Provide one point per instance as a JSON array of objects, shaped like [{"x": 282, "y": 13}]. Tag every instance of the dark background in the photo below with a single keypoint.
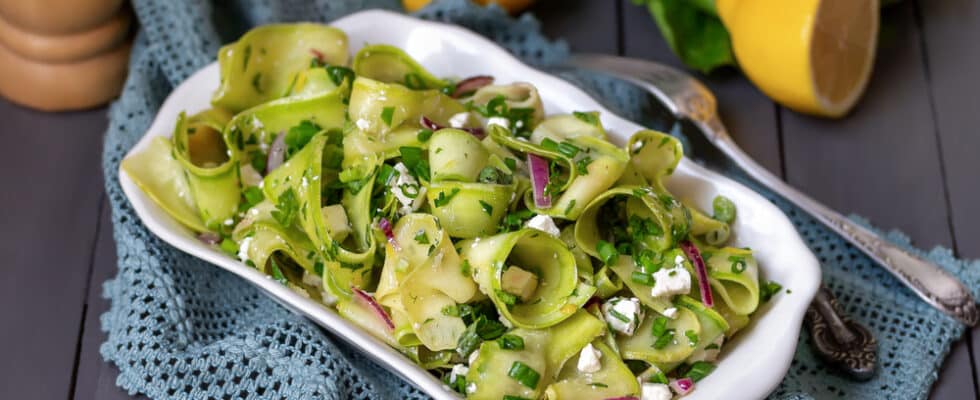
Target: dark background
[{"x": 906, "y": 159}]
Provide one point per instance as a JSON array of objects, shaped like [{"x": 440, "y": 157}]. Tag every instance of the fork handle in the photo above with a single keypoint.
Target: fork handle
[{"x": 933, "y": 284}]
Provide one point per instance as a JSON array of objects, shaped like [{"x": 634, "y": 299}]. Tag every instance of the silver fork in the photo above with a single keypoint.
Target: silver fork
[{"x": 686, "y": 98}]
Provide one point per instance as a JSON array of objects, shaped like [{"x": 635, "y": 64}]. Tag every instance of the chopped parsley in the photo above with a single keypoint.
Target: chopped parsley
[
  {"x": 413, "y": 160},
  {"x": 421, "y": 237},
  {"x": 298, "y": 136},
  {"x": 591, "y": 118},
  {"x": 253, "y": 195},
  {"x": 724, "y": 209},
  {"x": 444, "y": 198},
  {"x": 339, "y": 74},
  {"x": 692, "y": 337},
  {"x": 386, "y": 114},
  {"x": 286, "y": 208},
  {"x": 699, "y": 370},
  {"x": 511, "y": 342},
  {"x": 524, "y": 374},
  {"x": 487, "y": 208},
  {"x": 424, "y": 135},
  {"x": 768, "y": 290}
]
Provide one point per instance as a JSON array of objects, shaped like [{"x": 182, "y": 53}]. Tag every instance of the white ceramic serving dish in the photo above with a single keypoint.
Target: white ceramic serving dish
[{"x": 750, "y": 367}]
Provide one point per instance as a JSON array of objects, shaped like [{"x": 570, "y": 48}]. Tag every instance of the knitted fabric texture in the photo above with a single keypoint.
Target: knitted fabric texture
[{"x": 181, "y": 328}]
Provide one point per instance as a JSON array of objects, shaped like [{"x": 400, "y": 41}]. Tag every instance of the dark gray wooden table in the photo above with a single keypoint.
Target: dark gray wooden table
[{"x": 907, "y": 159}]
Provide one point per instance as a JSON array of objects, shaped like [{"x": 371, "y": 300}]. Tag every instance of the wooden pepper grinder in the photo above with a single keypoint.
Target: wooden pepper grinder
[{"x": 58, "y": 55}]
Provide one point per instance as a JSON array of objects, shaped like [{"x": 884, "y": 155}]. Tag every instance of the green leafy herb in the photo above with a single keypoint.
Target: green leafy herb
[
  {"x": 515, "y": 220},
  {"x": 663, "y": 340},
  {"x": 738, "y": 264},
  {"x": 276, "y": 272},
  {"x": 699, "y": 370},
  {"x": 659, "y": 326},
  {"x": 413, "y": 159},
  {"x": 692, "y": 337},
  {"x": 659, "y": 377},
  {"x": 568, "y": 149},
  {"x": 693, "y": 31},
  {"x": 386, "y": 114},
  {"x": 424, "y": 135},
  {"x": 228, "y": 246},
  {"x": 642, "y": 278},
  {"x": 253, "y": 195},
  {"x": 286, "y": 208},
  {"x": 591, "y": 118},
  {"x": 506, "y": 298},
  {"x": 385, "y": 175},
  {"x": 451, "y": 311},
  {"x": 582, "y": 165},
  {"x": 421, "y": 237},
  {"x": 768, "y": 290},
  {"x": 487, "y": 208},
  {"x": 298, "y": 136},
  {"x": 649, "y": 260},
  {"x": 724, "y": 209},
  {"x": 444, "y": 199},
  {"x": 549, "y": 144},
  {"x": 607, "y": 252},
  {"x": 511, "y": 342},
  {"x": 510, "y": 163},
  {"x": 524, "y": 374},
  {"x": 339, "y": 74}
]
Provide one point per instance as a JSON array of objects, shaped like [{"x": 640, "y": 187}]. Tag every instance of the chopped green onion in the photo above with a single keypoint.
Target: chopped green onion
[
  {"x": 524, "y": 374},
  {"x": 607, "y": 252},
  {"x": 506, "y": 298},
  {"x": 421, "y": 237},
  {"x": 451, "y": 311},
  {"x": 487, "y": 208},
  {"x": 692, "y": 337},
  {"x": 424, "y": 135},
  {"x": 664, "y": 340},
  {"x": 591, "y": 118},
  {"x": 568, "y": 149},
  {"x": 659, "y": 377},
  {"x": 642, "y": 278},
  {"x": 228, "y": 246},
  {"x": 386, "y": 114},
  {"x": 444, "y": 199},
  {"x": 659, "y": 326},
  {"x": 511, "y": 342},
  {"x": 738, "y": 264},
  {"x": 699, "y": 370},
  {"x": 549, "y": 144},
  {"x": 582, "y": 165},
  {"x": 618, "y": 315},
  {"x": 724, "y": 209},
  {"x": 768, "y": 290}
]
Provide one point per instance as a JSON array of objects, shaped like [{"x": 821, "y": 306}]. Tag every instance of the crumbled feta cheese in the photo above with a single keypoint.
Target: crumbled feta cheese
[
  {"x": 671, "y": 312},
  {"x": 471, "y": 388},
  {"x": 312, "y": 279},
  {"x": 671, "y": 281},
  {"x": 243, "y": 249},
  {"x": 588, "y": 359},
  {"x": 656, "y": 391},
  {"x": 545, "y": 224},
  {"x": 399, "y": 187},
  {"x": 459, "y": 120},
  {"x": 503, "y": 122},
  {"x": 457, "y": 371},
  {"x": 473, "y": 356},
  {"x": 229, "y": 222},
  {"x": 256, "y": 124},
  {"x": 622, "y": 314},
  {"x": 679, "y": 261},
  {"x": 328, "y": 298},
  {"x": 362, "y": 124}
]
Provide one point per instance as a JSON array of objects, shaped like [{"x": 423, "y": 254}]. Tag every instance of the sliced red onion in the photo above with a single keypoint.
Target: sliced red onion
[
  {"x": 431, "y": 125},
  {"x": 695, "y": 255},
  {"x": 385, "y": 227},
  {"x": 470, "y": 85},
  {"x": 209, "y": 238},
  {"x": 539, "y": 179},
  {"x": 682, "y": 386},
  {"x": 277, "y": 153},
  {"x": 370, "y": 302},
  {"x": 318, "y": 54}
]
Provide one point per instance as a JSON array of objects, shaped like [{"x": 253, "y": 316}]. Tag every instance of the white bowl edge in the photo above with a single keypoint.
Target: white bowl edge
[{"x": 763, "y": 352}]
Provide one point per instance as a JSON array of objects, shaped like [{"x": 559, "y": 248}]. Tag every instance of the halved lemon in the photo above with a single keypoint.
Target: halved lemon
[
  {"x": 512, "y": 6},
  {"x": 814, "y": 56}
]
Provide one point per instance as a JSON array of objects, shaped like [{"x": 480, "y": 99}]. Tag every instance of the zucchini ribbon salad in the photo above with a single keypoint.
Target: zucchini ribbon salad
[{"x": 514, "y": 254}]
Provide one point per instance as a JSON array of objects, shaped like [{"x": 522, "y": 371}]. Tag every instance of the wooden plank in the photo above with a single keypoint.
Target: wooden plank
[
  {"x": 96, "y": 378},
  {"x": 749, "y": 116},
  {"x": 950, "y": 29},
  {"x": 587, "y": 26},
  {"x": 883, "y": 161},
  {"x": 50, "y": 169}
]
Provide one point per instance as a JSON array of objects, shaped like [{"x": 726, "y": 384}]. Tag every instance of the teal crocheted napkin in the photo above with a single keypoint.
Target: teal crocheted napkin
[{"x": 180, "y": 328}]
